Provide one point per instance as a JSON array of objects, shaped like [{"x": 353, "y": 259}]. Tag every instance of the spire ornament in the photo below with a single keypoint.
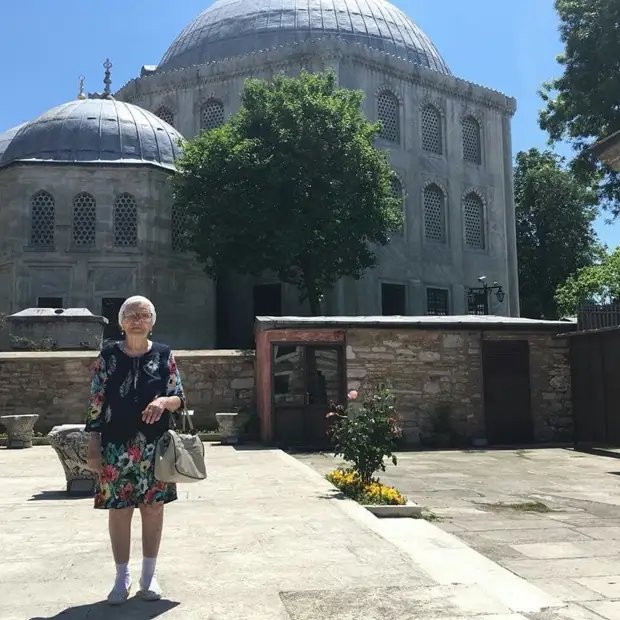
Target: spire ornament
[
  {"x": 81, "y": 96},
  {"x": 107, "y": 65}
]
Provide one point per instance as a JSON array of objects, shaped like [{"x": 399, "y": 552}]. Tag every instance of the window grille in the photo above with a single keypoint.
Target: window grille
[
  {"x": 42, "y": 219},
  {"x": 84, "y": 220},
  {"x": 473, "y": 217},
  {"x": 211, "y": 115},
  {"x": 125, "y": 221},
  {"x": 388, "y": 114},
  {"x": 431, "y": 130},
  {"x": 471, "y": 140},
  {"x": 434, "y": 214},
  {"x": 177, "y": 230},
  {"x": 166, "y": 115},
  {"x": 437, "y": 302}
]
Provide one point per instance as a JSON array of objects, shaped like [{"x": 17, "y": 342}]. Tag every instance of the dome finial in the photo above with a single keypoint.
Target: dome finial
[
  {"x": 81, "y": 96},
  {"x": 107, "y": 65}
]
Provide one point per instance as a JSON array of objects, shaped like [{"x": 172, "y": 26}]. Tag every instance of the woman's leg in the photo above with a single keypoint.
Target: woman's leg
[
  {"x": 119, "y": 525},
  {"x": 152, "y": 525}
]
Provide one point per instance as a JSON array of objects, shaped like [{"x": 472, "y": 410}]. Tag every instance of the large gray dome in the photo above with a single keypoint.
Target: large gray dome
[
  {"x": 230, "y": 28},
  {"x": 93, "y": 131},
  {"x": 6, "y": 137}
]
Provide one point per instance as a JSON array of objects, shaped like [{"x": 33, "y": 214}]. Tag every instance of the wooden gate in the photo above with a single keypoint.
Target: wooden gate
[
  {"x": 595, "y": 378},
  {"x": 507, "y": 399}
]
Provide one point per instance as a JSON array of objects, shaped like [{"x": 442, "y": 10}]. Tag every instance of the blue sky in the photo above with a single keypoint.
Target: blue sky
[{"x": 46, "y": 44}]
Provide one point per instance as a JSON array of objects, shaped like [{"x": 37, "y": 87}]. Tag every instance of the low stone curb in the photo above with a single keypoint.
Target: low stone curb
[
  {"x": 44, "y": 441},
  {"x": 394, "y": 512}
]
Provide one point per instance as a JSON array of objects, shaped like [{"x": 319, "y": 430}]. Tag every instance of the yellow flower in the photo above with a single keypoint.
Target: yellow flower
[
  {"x": 144, "y": 466},
  {"x": 105, "y": 490}
]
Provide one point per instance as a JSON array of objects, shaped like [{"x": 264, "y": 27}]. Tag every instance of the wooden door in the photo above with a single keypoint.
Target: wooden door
[
  {"x": 305, "y": 379},
  {"x": 507, "y": 398}
]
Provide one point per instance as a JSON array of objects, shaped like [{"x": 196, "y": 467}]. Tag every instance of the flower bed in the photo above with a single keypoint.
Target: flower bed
[{"x": 373, "y": 493}]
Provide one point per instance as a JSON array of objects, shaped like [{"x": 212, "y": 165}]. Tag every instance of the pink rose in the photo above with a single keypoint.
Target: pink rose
[
  {"x": 125, "y": 491},
  {"x": 134, "y": 454},
  {"x": 108, "y": 474},
  {"x": 352, "y": 395}
]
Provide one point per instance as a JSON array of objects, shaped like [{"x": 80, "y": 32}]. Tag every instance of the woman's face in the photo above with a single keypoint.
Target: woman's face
[{"x": 137, "y": 320}]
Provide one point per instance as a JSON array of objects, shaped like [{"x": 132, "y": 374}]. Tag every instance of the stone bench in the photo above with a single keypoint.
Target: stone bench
[
  {"x": 19, "y": 429},
  {"x": 71, "y": 443}
]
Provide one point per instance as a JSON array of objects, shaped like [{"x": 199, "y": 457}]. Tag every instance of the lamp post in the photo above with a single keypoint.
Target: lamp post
[{"x": 479, "y": 295}]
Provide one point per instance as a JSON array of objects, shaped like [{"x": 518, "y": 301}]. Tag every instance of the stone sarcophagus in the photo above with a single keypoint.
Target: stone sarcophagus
[
  {"x": 71, "y": 442},
  {"x": 51, "y": 329}
]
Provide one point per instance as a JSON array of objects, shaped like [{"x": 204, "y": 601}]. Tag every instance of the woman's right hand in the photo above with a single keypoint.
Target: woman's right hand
[{"x": 93, "y": 455}]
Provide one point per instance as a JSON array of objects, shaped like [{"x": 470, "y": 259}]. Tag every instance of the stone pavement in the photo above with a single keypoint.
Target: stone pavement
[
  {"x": 263, "y": 539},
  {"x": 551, "y": 516}
]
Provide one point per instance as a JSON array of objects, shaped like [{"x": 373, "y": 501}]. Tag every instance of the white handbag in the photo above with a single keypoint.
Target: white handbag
[{"x": 180, "y": 457}]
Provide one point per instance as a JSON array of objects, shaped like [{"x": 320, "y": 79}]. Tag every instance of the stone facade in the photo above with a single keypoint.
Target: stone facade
[
  {"x": 55, "y": 385},
  {"x": 86, "y": 277},
  {"x": 429, "y": 368},
  {"x": 441, "y": 259}
]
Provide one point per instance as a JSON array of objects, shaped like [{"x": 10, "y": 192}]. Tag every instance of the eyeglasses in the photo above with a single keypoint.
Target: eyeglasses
[{"x": 138, "y": 316}]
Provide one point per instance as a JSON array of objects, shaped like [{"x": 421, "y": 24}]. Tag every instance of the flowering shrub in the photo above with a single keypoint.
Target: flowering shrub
[
  {"x": 367, "y": 436},
  {"x": 347, "y": 481}
]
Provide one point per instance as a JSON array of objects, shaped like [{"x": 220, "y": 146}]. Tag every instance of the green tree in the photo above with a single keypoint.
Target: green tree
[
  {"x": 555, "y": 238},
  {"x": 582, "y": 104},
  {"x": 292, "y": 184},
  {"x": 597, "y": 283}
]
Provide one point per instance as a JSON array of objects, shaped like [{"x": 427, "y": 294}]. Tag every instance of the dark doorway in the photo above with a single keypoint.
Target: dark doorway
[
  {"x": 306, "y": 379},
  {"x": 267, "y": 300},
  {"x": 507, "y": 400},
  {"x": 49, "y": 302},
  {"x": 393, "y": 299},
  {"x": 110, "y": 307}
]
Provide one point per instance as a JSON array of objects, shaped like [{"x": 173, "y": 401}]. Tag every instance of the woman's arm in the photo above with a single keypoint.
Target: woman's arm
[
  {"x": 94, "y": 419},
  {"x": 175, "y": 397}
]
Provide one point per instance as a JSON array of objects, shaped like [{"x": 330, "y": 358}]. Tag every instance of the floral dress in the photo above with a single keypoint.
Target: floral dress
[{"x": 121, "y": 389}]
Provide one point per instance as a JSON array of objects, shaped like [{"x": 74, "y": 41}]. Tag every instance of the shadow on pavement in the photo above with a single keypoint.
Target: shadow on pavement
[
  {"x": 133, "y": 609},
  {"x": 59, "y": 495}
]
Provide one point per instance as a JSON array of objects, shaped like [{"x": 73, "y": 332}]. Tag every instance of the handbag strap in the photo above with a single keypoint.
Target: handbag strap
[{"x": 187, "y": 418}]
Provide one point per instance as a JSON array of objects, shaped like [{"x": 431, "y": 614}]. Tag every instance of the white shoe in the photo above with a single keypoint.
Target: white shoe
[
  {"x": 118, "y": 596},
  {"x": 152, "y": 593}
]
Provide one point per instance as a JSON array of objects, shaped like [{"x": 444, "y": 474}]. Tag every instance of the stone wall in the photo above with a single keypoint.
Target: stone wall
[
  {"x": 431, "y": 368},
  {"x": 56, "y": 385}
]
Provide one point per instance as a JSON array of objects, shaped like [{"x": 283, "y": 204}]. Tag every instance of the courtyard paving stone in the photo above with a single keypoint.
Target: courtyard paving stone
[
  {"x": 262, "y": 539},
  {"x": 567, "y": 548}
]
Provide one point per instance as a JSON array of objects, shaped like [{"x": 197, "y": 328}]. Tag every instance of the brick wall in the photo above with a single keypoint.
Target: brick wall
[
  {"x": 55, "y": 385},
  {"x": 430, "y": 368}
]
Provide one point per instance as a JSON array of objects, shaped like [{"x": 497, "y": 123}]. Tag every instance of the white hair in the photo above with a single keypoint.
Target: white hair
[{"x": 132, "y": 301}]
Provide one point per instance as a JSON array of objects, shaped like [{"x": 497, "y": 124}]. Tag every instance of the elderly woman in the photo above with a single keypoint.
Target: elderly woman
[{"x": 135, "y": 390}]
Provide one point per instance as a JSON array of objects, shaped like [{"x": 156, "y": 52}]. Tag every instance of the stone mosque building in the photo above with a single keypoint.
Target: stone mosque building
[{"x": 85, "y": 205}]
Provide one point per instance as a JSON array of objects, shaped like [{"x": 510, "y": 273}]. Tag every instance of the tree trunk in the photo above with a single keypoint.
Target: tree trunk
[{"x": 312, "y": 294}]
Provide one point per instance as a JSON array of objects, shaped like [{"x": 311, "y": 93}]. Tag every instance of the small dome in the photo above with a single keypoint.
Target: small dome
[
  {"x": 94, "y": 131},
  {"x": 6, "y": 137},
  {"x": 230, "y": 28}
]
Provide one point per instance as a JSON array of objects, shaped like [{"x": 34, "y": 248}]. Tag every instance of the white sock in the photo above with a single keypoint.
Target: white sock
[
  {"x": 123, "y": 579},
  {"x": 148, "y": 572}
]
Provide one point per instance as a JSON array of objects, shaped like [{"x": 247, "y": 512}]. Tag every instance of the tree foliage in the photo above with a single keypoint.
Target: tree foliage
[
  {"x": 582, "y": 104},
  {"x": 555, "y": 238},
  {"x": 598, "y": 283},
  {"x": 291, "y": 184}
]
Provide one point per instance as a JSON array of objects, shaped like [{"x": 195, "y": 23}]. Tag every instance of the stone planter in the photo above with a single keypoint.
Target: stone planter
[
  {"x": 231, "y": 426},
  {"x": 395, "y": 512},
  {"x": 71, "y": 442},
  {"x": 19, "y": 429}
]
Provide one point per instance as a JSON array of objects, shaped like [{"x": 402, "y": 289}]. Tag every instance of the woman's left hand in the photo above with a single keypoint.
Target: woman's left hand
[{"x": 154, "y": 410}]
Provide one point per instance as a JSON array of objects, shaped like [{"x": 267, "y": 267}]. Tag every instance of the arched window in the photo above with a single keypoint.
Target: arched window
[
  {"x": 211, "y": 115},
  {"x": 473, "y": 221},
  {"x": 432, "y": 139},
  {"x": 434, "y": 214},
  {"x": 125, "y": 221},
  {"x": 42, "y": 219},
  {"x": 84, "y": 220},
  {"x": 471, "y": 140},
  {"x": 177, "y": 230},
  {"x": 398, "y": 192},
  {"x": 165, "y": 114},
  {"x": 389, "y": 114}
]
